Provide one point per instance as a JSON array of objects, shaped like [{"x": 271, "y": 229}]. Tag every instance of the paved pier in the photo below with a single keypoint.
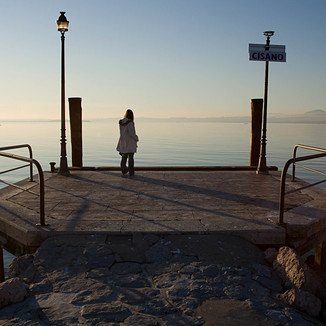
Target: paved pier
[{"x": 205, "y": 202}]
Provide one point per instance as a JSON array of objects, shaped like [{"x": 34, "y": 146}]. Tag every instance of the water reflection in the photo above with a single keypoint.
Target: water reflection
[{"x": 162, "y": 142}]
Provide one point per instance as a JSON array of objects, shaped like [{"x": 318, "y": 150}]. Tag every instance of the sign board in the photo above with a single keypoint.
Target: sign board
[{"x": 263, "y": 52}]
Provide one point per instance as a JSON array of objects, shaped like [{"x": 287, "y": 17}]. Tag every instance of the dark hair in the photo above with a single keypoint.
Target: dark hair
[{"x": 129, "y": 115}]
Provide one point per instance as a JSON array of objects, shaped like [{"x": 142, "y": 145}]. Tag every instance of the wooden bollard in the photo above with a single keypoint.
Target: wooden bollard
[
  {"x": 320, "y": 256},
  {"x": 75, "y": 111},
  {"x": 256, "y": 125}
]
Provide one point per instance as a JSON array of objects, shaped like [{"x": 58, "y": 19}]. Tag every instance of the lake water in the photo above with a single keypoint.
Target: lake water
[{"x": 163, "y": 143}]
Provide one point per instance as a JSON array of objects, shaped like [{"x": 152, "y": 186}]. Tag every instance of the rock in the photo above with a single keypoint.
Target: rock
[
  {"x": 138, "y": 319},
  {"x": 100, "y": 261},
  {"x": 105, "y": 312},
  {"x": 294, "y": 272},
  {"x": 94, "y": 293},
  {"x": 138, "y": 296},
  {"x": 270, "y": 255},
  {"x": 44, "y": 286},
  {"x": 302, "y": 300},
  {"x": 19, "y": 265},
  {"x": 269, "y": 283},
  {"x": 262, "y": 270},
  {"x": 323, "y": 315},
  {"x": 125, "y": 268},
  {"x": 232, "y": 312},
  {"x": 158, "y": 254},
  {"x": 12, "y": 291},
  {"x": 277, "y": 315},
  {"x": 96, "y": 250},
  {"x": 98, "y": 272},
  {"x": 80, "y": 281}
]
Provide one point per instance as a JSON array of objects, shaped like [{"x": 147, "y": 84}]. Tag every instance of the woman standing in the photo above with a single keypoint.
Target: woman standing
[{"x": 127, "y": 145}]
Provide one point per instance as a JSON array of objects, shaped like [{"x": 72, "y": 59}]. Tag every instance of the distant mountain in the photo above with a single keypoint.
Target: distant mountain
[
  {"x": 241, "y": 119},
  {"x": 314, "y": 116},
  {"x": 316, "y": 112}
]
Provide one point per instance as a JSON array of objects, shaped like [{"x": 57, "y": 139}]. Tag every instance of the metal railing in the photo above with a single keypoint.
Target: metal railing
[
  {"x": 294, "y": 163},
  {"x": 30, "y": 164}
]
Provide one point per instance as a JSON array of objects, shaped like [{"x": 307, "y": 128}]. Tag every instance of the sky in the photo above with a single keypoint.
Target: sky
[{"x": 161, "y": 58}]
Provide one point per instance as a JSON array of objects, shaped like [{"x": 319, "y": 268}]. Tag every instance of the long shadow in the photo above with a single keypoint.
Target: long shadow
[
  {"x": 259, "y": 202},
  {"x": 22, "y": 310},
  {"x": 216, "y": 194},
  {"x": 78, "y": 215},
  {"x": 265, "y": 203}
]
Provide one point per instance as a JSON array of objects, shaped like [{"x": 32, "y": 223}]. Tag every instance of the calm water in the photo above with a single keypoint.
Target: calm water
[{"x": 163, "y": 143}]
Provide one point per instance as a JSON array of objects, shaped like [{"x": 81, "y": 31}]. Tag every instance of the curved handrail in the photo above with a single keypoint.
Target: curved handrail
[
  {"x": 30, "y": 155},
  {"x": 40, "y": 174},
  {"x": 295, "y": 148},
  {"x": 286, "y": 167}
]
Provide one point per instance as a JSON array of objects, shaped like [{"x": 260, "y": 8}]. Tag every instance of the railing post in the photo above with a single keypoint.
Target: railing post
[
  {"x": 293, "y": 166},
  {"x": 31, "y": 164},
  {"x": 41, "y": 180},
  {"x": 281, "y": 205},
  {"x": 282, "y": 192}
]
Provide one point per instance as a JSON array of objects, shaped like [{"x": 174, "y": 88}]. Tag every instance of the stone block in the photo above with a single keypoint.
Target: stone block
[
  {"x": 294, "y": 272},
  {"x": 303, "y": 301},
  {"x": 12, "y": 291}
]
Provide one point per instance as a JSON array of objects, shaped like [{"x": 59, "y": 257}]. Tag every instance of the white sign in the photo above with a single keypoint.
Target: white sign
[{"x": 262, "y": 52}]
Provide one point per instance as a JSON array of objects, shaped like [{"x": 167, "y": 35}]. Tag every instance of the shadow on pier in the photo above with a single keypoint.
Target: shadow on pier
[{"x": 204, "y": 202}]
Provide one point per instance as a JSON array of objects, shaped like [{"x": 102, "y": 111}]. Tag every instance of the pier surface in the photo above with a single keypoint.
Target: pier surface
[{"x": 233, "y": 202}]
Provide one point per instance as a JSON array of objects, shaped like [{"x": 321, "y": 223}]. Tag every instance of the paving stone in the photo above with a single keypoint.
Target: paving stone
[
  {"x": 126, "y": 268},
  {"x": 105, "y": 313},
  {"x": 239, "y": 202}
]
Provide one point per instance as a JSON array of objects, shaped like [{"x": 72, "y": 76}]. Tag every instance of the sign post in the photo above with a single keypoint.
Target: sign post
[{"x": 267, "y": 52}]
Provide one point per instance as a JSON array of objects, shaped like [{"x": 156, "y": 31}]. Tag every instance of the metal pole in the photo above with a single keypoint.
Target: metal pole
[
  {"x": 256, "y": 127},
  {"x": 262, "y": 167},
  {"x": 63, "y": 159}
]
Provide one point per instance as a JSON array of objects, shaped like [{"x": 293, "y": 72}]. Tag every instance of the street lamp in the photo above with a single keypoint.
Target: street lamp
[
  {"x": 62, "y": 24},
  {"x": 262, "y": 167}
]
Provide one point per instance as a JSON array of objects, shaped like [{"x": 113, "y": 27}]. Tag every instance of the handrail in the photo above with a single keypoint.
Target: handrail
[
  {"x": 39, "y": 170},
  {"x": 295, "y": 148},
  {"x": 30, "y": 156},
  {"x": 293, "y": 161}
]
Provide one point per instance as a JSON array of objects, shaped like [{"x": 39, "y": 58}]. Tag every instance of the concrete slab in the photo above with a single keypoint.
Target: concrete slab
[{"x": 99, "y": 201}]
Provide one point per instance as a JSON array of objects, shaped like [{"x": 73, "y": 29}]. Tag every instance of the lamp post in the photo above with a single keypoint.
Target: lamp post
[
  {"x": 262, "y": 167},
  {"x": 62, "y": 24}
]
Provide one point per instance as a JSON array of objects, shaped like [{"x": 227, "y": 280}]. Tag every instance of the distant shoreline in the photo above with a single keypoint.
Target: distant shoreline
[
  {"x": 310, "y": 117},
  {"x": 186, "y": 120}
]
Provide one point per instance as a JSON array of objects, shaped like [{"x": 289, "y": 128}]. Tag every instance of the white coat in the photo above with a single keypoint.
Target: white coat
[{"x": 128, "y": 139}]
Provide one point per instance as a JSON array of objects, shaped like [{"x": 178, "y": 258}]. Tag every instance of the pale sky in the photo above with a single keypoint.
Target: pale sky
[{"x": 162, "y": 58}]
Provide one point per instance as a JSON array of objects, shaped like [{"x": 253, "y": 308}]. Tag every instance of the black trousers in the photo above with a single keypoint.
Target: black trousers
[{"x": 123, "y": 164}]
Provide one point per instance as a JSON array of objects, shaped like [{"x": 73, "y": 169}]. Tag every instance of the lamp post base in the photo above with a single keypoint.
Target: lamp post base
[
  {"x": 262, "y": 171},
  {"x": 262, "y": 167},
  {"x": 63, "y": 170}
]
